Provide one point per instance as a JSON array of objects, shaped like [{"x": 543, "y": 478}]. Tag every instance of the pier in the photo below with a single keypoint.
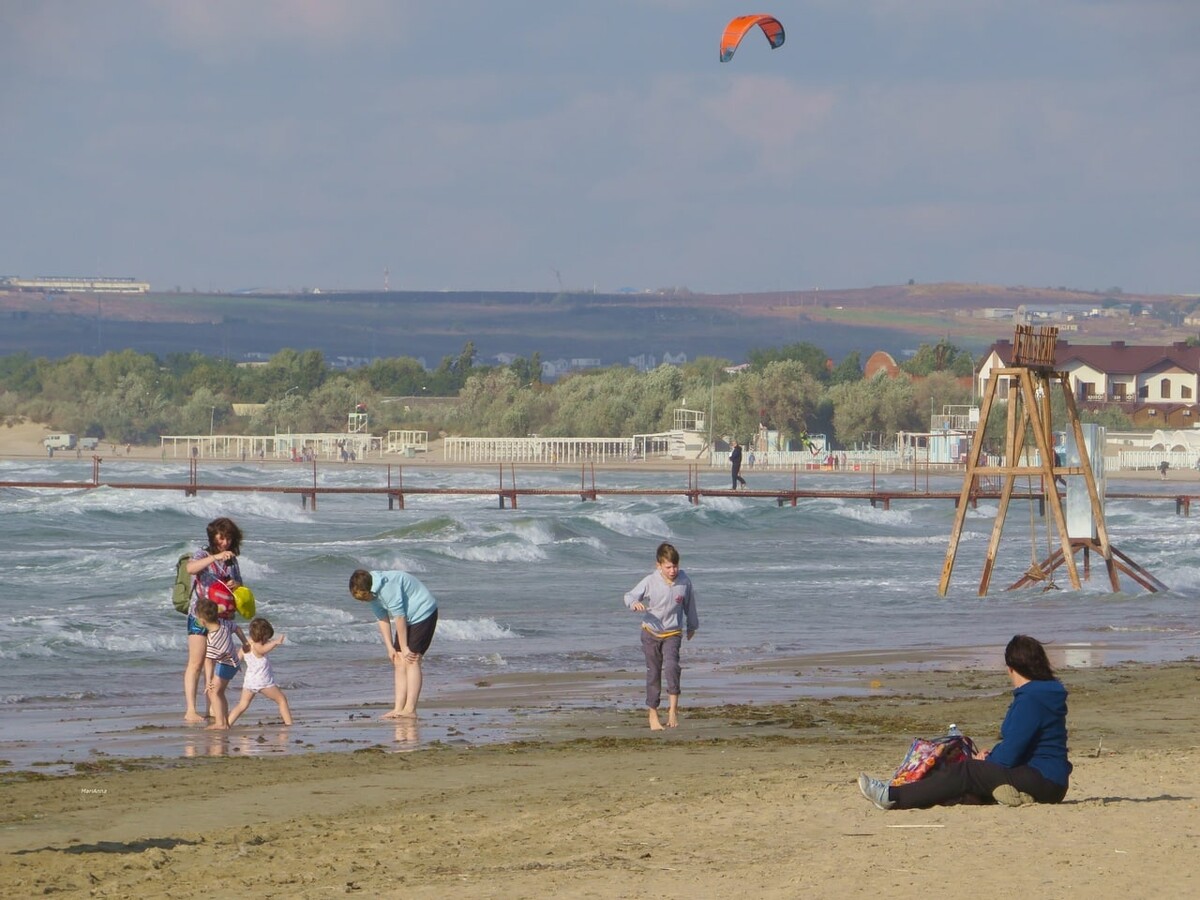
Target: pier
[{"x": 395, "y": 491}]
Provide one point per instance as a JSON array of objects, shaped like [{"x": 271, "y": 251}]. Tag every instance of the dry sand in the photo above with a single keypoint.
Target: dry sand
[{"x": 759, "y": 801}]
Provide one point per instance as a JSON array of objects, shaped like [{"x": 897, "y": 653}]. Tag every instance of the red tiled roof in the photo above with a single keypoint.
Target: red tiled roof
[{"x": 1117, "y": 358}]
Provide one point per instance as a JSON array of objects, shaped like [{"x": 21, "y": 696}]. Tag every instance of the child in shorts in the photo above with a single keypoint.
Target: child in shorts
[
  {"x": 220, "y": 660},
  {"x": 259, "y": 679}
]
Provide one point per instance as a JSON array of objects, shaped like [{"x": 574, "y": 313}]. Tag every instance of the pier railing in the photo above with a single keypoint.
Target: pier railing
[{"x": 509, "y": 490}]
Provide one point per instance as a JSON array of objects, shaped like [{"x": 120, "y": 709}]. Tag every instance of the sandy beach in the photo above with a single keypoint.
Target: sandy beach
[{"x": 755, "y": 799}]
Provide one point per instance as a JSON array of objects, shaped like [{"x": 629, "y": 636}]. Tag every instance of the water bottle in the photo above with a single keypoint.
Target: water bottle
[{"x": 953, "y": 731}]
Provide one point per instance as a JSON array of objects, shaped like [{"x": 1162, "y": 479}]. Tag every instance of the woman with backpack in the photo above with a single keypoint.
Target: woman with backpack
[
  {"x": 1030, "y": 763},
  {"x": 214, "y": 568}
]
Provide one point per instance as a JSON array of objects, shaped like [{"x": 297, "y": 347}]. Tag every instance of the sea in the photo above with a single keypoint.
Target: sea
[{"x": 793, "y": 600}]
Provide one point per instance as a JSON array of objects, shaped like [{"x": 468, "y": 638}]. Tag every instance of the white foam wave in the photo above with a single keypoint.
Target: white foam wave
[
  {"x": 1149, "y": 629},
  {"x": 395, "y": 562},
  {"x": 475, "y": 630},
  {"x": 632, "y": 524},
  {"x": 902, "y": 540},
  {"x": 506, "y": 552},
  {"x": 492, "y": 660},
  {"x": 864, "y": 512}
]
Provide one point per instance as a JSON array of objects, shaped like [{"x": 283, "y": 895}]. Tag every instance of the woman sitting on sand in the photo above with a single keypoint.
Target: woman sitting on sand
[{"x": 1030, "y": 763}]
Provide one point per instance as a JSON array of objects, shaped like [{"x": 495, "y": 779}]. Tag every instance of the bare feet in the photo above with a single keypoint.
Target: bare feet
[
  {"x": 215, "y": 727},
  {"x": 652, "y": 717},
  {"x": 672, "y": 722},
  {"x": 400, "y": 714},
  {"x": 193, "y": 718}
]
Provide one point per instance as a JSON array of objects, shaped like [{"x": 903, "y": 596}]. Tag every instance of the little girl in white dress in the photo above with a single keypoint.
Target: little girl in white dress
[{"x": 259, "y": 679}]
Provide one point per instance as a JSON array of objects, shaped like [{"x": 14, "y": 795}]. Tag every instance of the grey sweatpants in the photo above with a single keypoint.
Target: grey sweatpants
[{"x": 662, "y": 655}]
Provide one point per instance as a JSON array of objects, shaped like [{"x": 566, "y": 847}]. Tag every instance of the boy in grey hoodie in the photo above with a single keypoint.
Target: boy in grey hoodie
[{"x": 668, "y": 607}]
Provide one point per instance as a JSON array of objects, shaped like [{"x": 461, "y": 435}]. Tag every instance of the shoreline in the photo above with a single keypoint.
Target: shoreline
[
  {"x": 763, "y": 796},
  {"x": 516, "y": 707}
]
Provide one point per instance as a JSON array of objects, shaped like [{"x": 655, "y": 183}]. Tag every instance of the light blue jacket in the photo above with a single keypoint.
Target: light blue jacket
[{"x": 400, "y": 595}]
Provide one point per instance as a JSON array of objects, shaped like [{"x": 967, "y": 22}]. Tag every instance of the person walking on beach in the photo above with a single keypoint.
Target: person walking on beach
[
  {"x": 216, "y": 562},
  {"x": 668, "y": 604},
  {"x": 259, "y": 679},
  {"x": 1030, "y": 763},
  {"x": 735, "y": 465},
  {"x": 400, "y": 597}
]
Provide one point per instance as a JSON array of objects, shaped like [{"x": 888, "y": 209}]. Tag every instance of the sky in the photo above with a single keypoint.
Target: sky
[{"x": 541, "y": 144}]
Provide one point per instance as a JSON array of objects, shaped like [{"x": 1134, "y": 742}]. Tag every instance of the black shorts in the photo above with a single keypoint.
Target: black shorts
[{"x": 420, "y": 635}]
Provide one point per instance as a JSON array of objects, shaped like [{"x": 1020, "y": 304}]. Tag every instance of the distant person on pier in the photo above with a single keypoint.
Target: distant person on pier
[
  {"x": 216, "y": 562},
  {"x": 399, "y": 597},
  {"x": 1162, "y": 469},
  {"x": 668, "y": 606},
  {"x": 735, "y": 465}
]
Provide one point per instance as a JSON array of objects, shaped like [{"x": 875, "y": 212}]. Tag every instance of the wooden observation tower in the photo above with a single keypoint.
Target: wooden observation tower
[{"x": 1029, "y": 379}]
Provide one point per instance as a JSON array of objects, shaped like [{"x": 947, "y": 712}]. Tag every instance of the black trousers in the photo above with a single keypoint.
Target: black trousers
[
  {"x": 974, "y": 778},
  {"x": 737, "y": 476}
]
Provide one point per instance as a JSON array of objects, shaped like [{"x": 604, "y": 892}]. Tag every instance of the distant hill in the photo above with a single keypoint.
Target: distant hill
[{"x": 608, "y": 327}]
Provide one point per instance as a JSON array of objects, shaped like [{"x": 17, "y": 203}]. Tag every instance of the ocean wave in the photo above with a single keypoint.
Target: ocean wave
[
  {"x": 902, "y": 540},
  {"x": 474, "y": 630},
  {"x": 874, "y": 515},
  {"x": 632, "y": 524},
  {"x": 502, "y": 551},
  {"x": 1162, "y": 628}
]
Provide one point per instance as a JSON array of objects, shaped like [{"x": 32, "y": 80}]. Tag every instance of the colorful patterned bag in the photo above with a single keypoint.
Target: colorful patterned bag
[{"x": 926, "y": 754}]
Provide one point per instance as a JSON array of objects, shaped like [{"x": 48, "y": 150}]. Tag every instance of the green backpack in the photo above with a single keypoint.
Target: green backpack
[{"x": 181, "y": 591}]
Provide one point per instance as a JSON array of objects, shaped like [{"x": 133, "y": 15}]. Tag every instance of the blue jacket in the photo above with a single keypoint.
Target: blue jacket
[
  {"x": 398, "y": 594},
  {"x": 1034, "y": 732}
]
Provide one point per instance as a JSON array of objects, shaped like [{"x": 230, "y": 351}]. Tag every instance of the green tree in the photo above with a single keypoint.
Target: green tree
[
  {"x": 938, "y": 390},
  {"x": 871, "y": 412},
  {"x": 813, "y": 358},
  {"x": 394, "y": 377},
  {"x": 528, "y": 371},
  {"x": 784, "y": 396},
  {"x": 19, "y": 374},
  {"x": 940, "y": 357},
  {"x": 849, "y": 369}
]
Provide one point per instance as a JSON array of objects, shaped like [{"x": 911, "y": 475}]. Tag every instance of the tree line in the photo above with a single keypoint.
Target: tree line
[{"x": 131, "y": 397}]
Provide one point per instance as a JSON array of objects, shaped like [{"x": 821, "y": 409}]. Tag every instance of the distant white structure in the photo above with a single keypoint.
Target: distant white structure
[{"x": 69, "y": 284}]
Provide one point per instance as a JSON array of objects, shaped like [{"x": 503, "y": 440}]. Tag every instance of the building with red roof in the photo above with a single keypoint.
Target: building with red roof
[{"x": 1156, "y": 386}]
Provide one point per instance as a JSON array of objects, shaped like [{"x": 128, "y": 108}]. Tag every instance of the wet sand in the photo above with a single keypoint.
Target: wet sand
[{"x": 757, "y": 799}]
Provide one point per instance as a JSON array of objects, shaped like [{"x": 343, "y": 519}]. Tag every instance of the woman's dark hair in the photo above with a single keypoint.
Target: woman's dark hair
[
  {"x": 1027, "y": 657},
  {"x": 228, "y": 528}
]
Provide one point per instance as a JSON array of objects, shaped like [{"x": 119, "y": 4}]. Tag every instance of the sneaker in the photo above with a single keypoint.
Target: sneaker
[
  {"x": 875, "y": 791},
  {"x": 1010, "y": 796}
]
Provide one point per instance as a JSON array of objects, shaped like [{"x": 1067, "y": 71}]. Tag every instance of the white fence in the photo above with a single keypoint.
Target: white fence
[
  {"x": 543, "y": 451},
  {"x": 318, "y": 445},
  {"x": 409, "y": 443},
  {"x": 1152, "y": 459}
]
